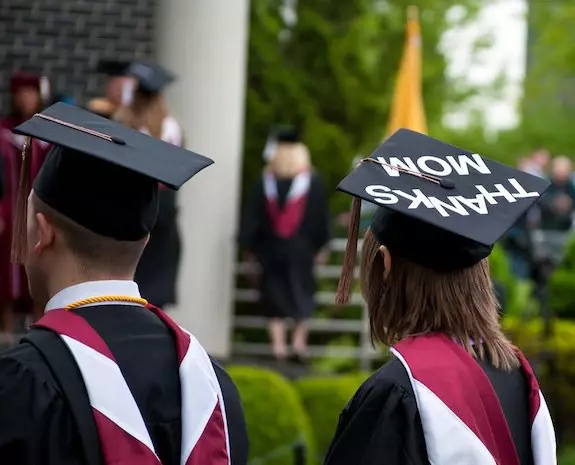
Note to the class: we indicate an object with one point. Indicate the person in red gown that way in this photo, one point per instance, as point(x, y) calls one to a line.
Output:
point(25, 89)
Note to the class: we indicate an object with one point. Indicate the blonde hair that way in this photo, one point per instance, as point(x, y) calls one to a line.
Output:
point(415, 300)
point(289, 160)
point(146, 111)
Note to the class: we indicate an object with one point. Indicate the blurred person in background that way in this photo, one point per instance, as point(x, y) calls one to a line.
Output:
point(286, 229)
point(537, 163)
point(518, 241)
point(558, 204)
point(28, 93)
point(119, 88)
point(157, 272)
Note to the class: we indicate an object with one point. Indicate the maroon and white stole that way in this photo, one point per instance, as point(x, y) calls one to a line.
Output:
point(124, 437)
point(461, 415)
point(287, 220)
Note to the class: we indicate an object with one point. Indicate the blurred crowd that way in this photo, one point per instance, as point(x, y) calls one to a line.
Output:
point(537, 240)
point(133, 96)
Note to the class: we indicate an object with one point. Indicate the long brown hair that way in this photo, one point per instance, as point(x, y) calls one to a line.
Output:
point(415, 300)
point(148, 110)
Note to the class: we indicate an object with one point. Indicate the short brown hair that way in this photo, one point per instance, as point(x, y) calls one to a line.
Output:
point(416, 300)
point(93, 251)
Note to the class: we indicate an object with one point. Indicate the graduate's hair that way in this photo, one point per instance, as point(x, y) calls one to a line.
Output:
point(148, 110)
point(290, 159)
point(415, 300)
point(93, 251)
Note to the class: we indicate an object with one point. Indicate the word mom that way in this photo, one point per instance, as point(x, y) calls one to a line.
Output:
point(435, 166)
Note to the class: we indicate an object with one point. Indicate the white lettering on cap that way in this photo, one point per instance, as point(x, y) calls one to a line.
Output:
point(434, 165)
point(381, 194)
point(453, 203)
point(406, 164)
point(423, 163)
point(463, 162)
point(416, 200)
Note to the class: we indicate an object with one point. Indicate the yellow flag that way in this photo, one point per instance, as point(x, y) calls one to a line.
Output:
point(407, 109)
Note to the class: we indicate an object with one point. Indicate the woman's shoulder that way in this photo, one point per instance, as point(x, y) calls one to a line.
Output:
point(390, 380)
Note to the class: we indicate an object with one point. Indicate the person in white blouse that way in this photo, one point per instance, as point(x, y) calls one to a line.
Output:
point(148, 112)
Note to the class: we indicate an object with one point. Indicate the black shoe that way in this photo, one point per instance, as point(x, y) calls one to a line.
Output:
point(299, 359)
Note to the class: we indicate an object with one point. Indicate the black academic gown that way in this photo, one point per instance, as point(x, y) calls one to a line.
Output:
point(37, 426)
point(381, 423)
point(288, 283)
point(157, 272)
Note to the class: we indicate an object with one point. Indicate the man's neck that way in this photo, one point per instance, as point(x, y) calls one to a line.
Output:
point(69, 281)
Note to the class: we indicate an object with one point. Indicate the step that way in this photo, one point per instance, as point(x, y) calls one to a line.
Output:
point(321, 271)
point(254, 349)
point(322, 298)
point(316, 324)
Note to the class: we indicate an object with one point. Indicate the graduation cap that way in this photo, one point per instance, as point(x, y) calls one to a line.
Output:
point(100, 174)
point(442, 207)
point(112, 67)
point(288, 135)
point(151, 76)
point(278, 135)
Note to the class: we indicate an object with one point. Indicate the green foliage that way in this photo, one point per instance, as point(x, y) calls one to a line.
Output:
point(559, 388)
point(332, 72)
point(324, 399)
point(567, 456)
point(561, 295)
point(518, 294)
point(275, 416)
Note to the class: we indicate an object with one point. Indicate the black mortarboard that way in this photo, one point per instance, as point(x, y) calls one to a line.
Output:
point(151, 76)
point(113, 67)
point(103, 175)
point(442, 207)
point(287, 134)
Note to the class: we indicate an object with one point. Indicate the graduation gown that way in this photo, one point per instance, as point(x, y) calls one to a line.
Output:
point(157, 272)
point(433, 404)
point(13, 283)
point(38, 424)
point(287, 256)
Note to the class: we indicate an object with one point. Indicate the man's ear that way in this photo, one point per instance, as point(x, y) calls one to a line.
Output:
point(384, 251)
point(45, 233)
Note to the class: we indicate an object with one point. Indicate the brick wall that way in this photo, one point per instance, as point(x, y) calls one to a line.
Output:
point(64, 39)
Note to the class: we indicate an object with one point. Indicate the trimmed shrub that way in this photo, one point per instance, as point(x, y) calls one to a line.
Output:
point(275, 416)
point(324, 398)
point(559, 388)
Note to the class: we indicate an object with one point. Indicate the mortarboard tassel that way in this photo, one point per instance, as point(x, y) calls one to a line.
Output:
point(348, 269)
point(19, 226)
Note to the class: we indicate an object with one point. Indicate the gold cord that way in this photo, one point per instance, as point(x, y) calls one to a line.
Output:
point(107, 298)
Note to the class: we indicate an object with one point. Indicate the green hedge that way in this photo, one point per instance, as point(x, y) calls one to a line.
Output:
point(561, 295)
point(324, 398)
point(275, 416)
point(559, 389)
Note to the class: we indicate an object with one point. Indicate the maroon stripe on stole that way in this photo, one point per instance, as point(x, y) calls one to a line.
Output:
point(286, 221)
point(182, 338)
point(212, 444)
point(532, 384)
point(445, 368)
point(67, 323)
point(120, 447)
point(208, 449)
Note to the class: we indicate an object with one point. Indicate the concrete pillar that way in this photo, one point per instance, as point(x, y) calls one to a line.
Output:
point(205, 43)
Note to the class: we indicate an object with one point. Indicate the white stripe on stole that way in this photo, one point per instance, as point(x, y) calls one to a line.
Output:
point(108, 391)
point(543, 436)
point(201, 393)
point(448, 439)
point(299, 186)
